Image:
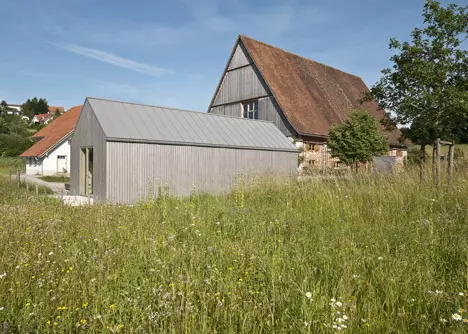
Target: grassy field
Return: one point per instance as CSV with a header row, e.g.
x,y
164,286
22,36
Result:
x,y
381,255
7,164
60,179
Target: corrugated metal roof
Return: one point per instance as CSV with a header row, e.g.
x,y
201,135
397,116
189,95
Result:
x,y
129,122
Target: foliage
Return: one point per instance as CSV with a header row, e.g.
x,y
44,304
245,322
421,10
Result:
x,y
7,164
414,156
35,106
358,139
458,153
14,136
427,86
244,262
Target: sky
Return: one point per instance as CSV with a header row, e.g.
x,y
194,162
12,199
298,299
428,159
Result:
x,y
173,53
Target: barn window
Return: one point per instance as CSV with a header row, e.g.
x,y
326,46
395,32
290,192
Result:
x,y
250,110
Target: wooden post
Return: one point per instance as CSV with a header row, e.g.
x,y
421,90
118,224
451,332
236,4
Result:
x,y
11,176
27,187
436,161
422,162
37,190
18,176
450,162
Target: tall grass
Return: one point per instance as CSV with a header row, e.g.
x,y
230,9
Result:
x,y
7,164
368,255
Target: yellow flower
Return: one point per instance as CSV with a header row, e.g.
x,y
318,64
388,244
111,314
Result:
x,y
55,323
461,310
28,304
83,321
26,264
112,307
33,277
171,285
58,317
48,322
85,305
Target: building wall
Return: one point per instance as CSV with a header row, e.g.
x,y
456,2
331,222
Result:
x,y
135,170
88,133
242,82
48,165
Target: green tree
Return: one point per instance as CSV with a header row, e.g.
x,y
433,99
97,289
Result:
x,y
34,106
427,86
358,139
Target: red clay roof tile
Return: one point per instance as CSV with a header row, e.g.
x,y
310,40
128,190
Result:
x,y
313,96
54,132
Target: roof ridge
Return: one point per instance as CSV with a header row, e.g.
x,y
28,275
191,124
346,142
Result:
x,y
297,55
178,109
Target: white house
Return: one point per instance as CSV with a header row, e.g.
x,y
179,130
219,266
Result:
x,y
50,154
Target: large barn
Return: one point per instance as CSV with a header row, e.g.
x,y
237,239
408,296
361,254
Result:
x,y
122,152
303,98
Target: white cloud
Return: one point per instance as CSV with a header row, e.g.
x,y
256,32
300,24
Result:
x,y
110,58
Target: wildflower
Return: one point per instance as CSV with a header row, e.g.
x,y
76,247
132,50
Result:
x,y
209,249
3,275
343,326
460,293
442,320
413,300
2,308
340,320
345,317
83,321
380,258
309,295
461,310
48,322
85,305
356,276
31,314
51,253
306,324
339,304
171,237
456,317
112,306
333,300
28,304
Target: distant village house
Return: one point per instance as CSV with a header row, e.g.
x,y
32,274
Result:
x,y
50,154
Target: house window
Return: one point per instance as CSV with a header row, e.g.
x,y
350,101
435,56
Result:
x,y
250,110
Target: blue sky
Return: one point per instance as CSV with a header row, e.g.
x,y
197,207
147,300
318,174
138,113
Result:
x,y
172,53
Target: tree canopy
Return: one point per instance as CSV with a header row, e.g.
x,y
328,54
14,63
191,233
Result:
x,y
358,139
427,86
35,106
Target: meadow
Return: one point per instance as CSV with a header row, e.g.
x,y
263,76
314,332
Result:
x,y
363,255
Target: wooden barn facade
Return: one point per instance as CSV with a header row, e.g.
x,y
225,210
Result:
x,y
303,98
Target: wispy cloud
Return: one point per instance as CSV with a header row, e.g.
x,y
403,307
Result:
x,y
110,58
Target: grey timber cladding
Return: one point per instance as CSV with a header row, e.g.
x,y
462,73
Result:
x,y
129,122
268,110
240,84
88,133
239,58
135,170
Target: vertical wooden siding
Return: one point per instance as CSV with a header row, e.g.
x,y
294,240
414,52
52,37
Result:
x,y
239,58
88,133
267,111
239,85
135,170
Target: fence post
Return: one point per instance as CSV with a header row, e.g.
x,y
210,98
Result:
x,y
450,162
37,190
27,187
18,176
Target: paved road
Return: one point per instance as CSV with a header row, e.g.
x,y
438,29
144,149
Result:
x,y
54,186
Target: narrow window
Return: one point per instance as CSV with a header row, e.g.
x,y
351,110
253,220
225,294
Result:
x,y
250,110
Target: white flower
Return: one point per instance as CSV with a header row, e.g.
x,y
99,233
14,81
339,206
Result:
x,y
356,276
442,320
380,258
344,326
333,300
335,326
345,317
3,275
306,324
309,295
461,294
2,308
456,317
338,312
339,304
340,320
51,253
209,249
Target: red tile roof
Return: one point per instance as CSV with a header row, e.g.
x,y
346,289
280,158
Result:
x,y
313,96
53,109
53,133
